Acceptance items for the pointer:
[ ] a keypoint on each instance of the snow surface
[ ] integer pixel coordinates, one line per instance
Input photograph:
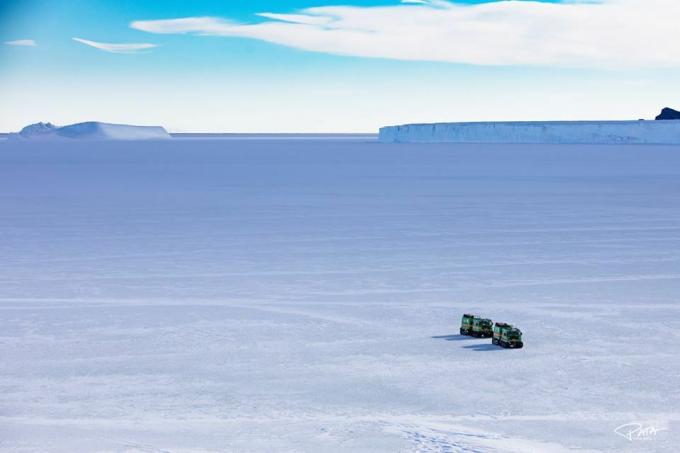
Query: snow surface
(91, 130)
(305, 295)
(538, 132)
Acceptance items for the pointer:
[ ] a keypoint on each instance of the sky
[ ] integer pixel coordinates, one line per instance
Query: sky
(334, 66)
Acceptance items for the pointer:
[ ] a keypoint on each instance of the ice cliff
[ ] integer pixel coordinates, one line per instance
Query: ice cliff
(585, 132)
(91, 130)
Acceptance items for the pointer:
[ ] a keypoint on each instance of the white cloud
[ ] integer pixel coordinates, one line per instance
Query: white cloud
(298, 18)
(198, 25)
(577, 33)
(116, 48)
(22, 43)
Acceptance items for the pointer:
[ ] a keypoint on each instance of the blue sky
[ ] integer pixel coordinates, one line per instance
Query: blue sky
(325, 66)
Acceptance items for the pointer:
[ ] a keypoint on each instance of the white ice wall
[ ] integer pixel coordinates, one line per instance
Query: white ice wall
(587, 132)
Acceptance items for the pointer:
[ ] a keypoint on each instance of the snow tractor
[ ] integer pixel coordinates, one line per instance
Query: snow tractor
(511, 338)
(466, 324)
(498, 329)
(482, 328)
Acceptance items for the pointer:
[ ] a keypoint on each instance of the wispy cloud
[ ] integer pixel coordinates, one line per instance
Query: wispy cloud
(578, 33)
(22, 43)
(198, 25)
(116, 48)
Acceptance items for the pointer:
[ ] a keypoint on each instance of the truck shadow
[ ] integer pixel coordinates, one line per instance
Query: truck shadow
(484, 347)
(454, 337)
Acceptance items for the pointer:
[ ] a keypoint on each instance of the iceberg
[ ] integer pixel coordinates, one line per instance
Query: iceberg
(542, 132)
(91, 130)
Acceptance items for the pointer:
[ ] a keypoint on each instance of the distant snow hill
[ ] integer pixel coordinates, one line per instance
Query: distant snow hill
(91, 130)
(568, 132)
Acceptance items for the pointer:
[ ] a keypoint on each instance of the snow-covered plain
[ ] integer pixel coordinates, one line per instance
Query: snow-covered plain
(298, 295)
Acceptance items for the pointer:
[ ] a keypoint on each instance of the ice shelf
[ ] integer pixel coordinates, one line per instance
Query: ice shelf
(574, 132)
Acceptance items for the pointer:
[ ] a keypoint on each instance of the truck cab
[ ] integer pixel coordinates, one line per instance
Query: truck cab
(466, 324)
(498, 330)
(511, 338)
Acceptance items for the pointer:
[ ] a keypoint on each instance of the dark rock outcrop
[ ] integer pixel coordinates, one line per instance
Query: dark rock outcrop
(669, 114)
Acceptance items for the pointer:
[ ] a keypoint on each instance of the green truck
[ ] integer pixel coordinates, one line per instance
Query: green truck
(502, 334)
(511, 338)
(475, 326)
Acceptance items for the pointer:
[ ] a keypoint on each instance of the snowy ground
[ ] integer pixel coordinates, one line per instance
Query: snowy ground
(305, 295)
